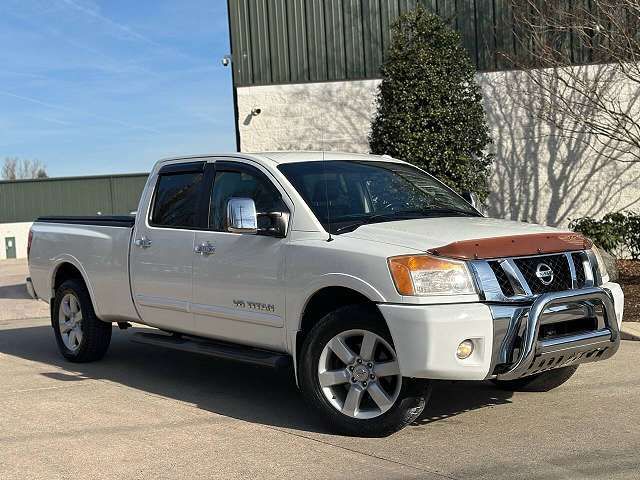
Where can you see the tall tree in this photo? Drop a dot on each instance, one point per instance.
(429, 106)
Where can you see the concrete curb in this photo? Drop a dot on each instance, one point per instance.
(630, 331)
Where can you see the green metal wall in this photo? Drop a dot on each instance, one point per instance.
(297, 41)
(25, 200)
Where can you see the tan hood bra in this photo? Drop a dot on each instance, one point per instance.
(513, 246)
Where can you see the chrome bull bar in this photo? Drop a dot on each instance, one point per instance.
(540, 355)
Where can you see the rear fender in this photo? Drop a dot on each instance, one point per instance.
(58, 262)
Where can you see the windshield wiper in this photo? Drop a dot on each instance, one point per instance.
(404, 214)
(451, 211)
(380, 216)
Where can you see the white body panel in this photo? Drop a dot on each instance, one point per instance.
(176, 289)
(235, 288)
(101, 254)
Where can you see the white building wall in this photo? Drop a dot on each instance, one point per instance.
(537, 176)
(19, 231)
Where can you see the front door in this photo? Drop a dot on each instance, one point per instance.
(163, 250)
(10, 247)
(238, 288)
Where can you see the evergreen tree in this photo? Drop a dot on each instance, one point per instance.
(430, 109)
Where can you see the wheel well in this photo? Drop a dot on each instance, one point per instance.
(325, 301)
(65, 272)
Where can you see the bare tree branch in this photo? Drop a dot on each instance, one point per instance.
(600, 96)
(16, 169)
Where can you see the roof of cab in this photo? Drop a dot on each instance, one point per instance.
(311, 156)
(287, 156)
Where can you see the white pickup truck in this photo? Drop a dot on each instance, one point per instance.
(365, 273)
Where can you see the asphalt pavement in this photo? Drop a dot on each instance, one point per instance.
(150, 413)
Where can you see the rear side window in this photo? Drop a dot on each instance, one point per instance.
(176, 200)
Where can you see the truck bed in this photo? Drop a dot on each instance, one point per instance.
(98, 247)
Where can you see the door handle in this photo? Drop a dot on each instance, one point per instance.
(143, 242)
(205, 248)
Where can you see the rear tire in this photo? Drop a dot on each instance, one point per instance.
(385, 404)
(541, 382)
(81, 336)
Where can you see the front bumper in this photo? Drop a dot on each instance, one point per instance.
(506, 336)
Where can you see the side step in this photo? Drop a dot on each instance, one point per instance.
(213, 348)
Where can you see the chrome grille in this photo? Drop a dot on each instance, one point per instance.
(514, 279)
(559, 264)
(503, 280)
(580, 275)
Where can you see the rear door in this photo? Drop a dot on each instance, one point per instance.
(239, 292)
(162, 253)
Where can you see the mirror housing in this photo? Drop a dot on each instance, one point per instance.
(279, 224)
(242, 216)
(470, 197)
(473, 200)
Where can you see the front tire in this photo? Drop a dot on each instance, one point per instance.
(541, 382)
(349, 373)
(81, 336)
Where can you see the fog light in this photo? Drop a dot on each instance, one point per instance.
(465, 349)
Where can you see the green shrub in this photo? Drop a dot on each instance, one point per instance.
(632, 235)
(430, 109)
(618, 233)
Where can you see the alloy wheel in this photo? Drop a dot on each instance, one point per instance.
(359, 374)
(70, 322)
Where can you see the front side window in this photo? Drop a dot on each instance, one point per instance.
(176, 200)
(243, 184)
(347, 194)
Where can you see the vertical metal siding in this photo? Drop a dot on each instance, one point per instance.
(316, 44)
(389, 11)
(294, 41)
(504, 34)
(485, 35)
(278, 41)
(260, 45)
(297, 33)
(25, 200)
(334, 33)
(241, 41)
(354, 39)
(372, 35)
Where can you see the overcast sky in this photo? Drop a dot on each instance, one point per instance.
(110, 86)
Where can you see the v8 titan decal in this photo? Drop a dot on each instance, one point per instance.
(263, 307)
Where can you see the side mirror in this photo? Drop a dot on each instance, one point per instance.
(474, 201)
(278, 224)
(242, 216)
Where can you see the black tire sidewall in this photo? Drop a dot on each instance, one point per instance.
(96, 334)
(407, 407)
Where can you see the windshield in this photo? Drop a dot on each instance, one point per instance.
(360, 192)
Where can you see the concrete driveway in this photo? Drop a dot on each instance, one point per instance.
(145, 412)
(14, 299)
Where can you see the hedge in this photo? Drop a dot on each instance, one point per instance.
(618, 233)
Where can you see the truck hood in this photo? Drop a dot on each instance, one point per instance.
(426, 233)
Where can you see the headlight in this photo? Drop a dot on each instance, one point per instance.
(601, 265)
(424, 275)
